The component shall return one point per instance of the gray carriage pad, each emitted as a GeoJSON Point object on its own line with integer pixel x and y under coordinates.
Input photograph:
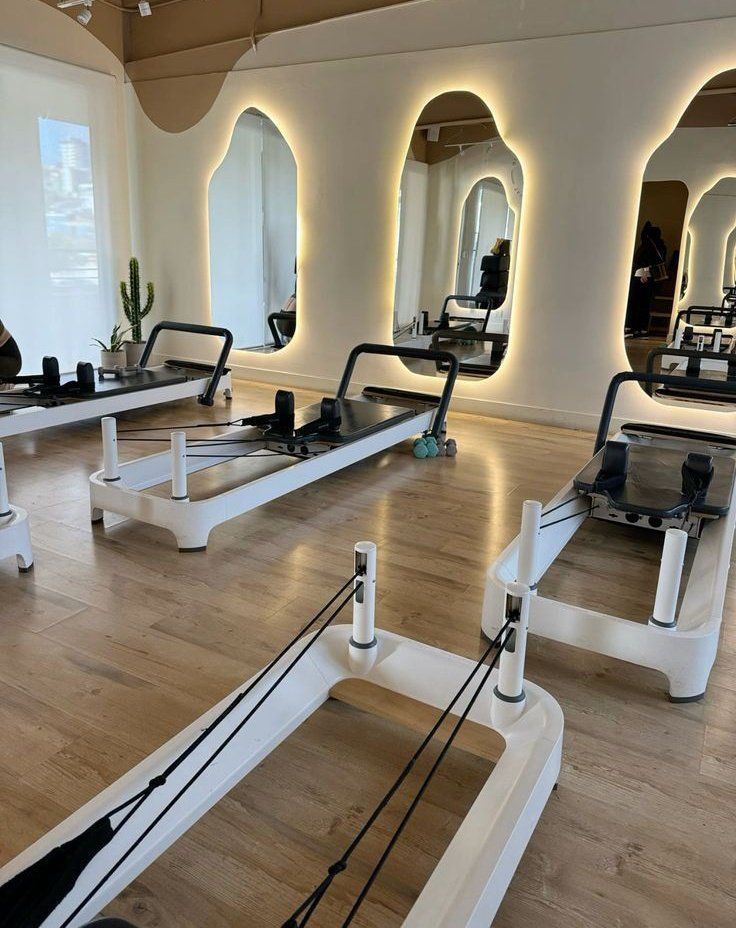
{"type": "Point", "coordinates": [653, 484]}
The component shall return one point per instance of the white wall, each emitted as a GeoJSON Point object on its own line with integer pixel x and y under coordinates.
{"type": "Point", "coordinates": [349, 123]}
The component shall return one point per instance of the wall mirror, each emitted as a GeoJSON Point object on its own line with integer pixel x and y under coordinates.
{"type": "Point", "coordinates": [681, 309]}
{"type": "Point", "coordinates": [252, 230]}
{"type": "Point", "coordinates": [457, 218]}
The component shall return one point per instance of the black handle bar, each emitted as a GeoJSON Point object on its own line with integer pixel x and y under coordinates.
{"type": "Point", "coordinates": [418, 354]}
{"type": "Point", "coordinates": [665, 380]}
{"type": "Point", "coordinates": [208, 397]}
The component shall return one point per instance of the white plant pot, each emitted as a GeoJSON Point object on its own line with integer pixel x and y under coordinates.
{"type": "Point", "coordinates": [109, 360]}
{"type": "Point", "coordinates": [134, 352]}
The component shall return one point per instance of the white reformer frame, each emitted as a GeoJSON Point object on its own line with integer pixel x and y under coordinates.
{"type": "Point", "coordinates": [682, 645]}
{"type": "Point", "coordinates": [15, 534]}
{"type": "Point", "coordinates": [471, 878]}
{"type": "Point", "coordinates": [120, 488]}
{"type": "Point", "coordinates": [28, 418]}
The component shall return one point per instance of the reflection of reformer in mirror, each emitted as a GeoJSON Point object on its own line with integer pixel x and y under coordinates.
{"type": "Point", "coordinates": [477, 335]}
{"type": "Point", "coordinates": [703, 346]}
{"type": "Point", "coordinates": [662, 479]}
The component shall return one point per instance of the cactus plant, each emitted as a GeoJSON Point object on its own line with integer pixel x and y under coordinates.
{"type": "Point", "coordinates": [134, 312]}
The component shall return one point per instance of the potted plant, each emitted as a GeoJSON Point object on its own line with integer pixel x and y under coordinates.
{"type": "Point", "coordinates": [113, 354]}
{"type": "Point", "coordinates": [134, 312]}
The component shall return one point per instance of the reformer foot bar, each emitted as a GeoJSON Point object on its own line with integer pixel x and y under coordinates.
{"type": "Point", "coordinates": [15, 535]}
{"type": "Point", "coordinates": [669, 480]}
{"type": "Point", "coordinates": [79, 867]}
{"type": "Point", "coordinates": [315, 441]}
{"type": "Point", "coordinates": [52, 398]}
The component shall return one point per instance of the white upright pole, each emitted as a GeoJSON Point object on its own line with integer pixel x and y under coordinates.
{"type": "Point", "coordinates": [111, 470]}
{"type": "Point", "coordinates": [717, 338]}
{"type": "Point", "coordinates": [5, 509]}
{"type": "Point", "coordinates": [508, 699]}
{"type": "Point", "coordinates": [179, 490]}
{"type": "Point", "coordinates": [670, 575]}
{"type": "Point", "coordinates": [363, 642]}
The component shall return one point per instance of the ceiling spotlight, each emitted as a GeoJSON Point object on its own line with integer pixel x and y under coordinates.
{"type": "Point", "coordinates": [84, 16]}
{"type": "Point", "coordinates": [144, 8]}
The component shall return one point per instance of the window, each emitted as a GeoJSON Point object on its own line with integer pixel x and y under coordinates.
{"type": "Point", "coordinates": [61, 187]}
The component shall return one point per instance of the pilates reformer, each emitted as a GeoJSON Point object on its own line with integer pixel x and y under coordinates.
{"type": "Point", "coordinates": [15, 535]}
{"type": "Point", "coordinates": [39, 401]}
{"type": "Point", "coordinates": [78, 868]}
{"type": "Point", "coordinates": [692, 364]}
{"type": "Point", "coordinates": [307, 443]}
{"type": "Point", "coordinates": [659, 478]}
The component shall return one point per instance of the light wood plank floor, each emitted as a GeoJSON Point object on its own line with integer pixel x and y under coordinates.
{"type": "Point", "coordinates": [116, 641]}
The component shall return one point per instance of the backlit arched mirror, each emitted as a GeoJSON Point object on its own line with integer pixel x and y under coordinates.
{"type": "Point", "coordinates": [252, 227]}
{"type": "Point", "coordinates": [459, 200]}
{"type": "Point", "coordinates": [678, 316]}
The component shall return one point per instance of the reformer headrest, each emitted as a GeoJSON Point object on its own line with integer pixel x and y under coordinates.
{"type": "Point", "coordinates": [614, 467]}
{"type": "Point", "coordinates": [697, 474]}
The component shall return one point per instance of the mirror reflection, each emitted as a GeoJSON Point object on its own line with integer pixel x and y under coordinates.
{"type": "Point", "coordinates": [681, 309]}
{"type": "Point", "coordinates": [252, 229]}
{"type": "Point", "coordinates": [459, 200]}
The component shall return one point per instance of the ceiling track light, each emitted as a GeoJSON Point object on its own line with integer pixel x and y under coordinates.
{"type": "Point", "coordinates": [84, 16]}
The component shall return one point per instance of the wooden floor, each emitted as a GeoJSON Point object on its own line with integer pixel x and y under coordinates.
{"type": "Point", "coordinates": [115, 642]}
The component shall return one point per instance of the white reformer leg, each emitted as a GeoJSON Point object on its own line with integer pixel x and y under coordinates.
{"type": "Point", "coordinates": [179, 491]}
{"type": "Point", "coordinates": [193, 540]}
{"type": "Point", "coordinates": [363, 646]}
{"type": "Point", "coordinates": [664, 614]}
{"type": "Point", "coordinates": [507, 704]}
{"type": "Point", "coordinates": [15, 535]}
{"type": "Point", "coordinates": [110, 462]}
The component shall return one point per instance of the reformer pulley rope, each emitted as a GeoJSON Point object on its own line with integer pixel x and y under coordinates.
{"type": "Point", "coordinates": [195, 425]}
{"type": "Point", "coordinates": [581, 512]}
{"type": "Point", "coordinates": [302, 915]}
{"type": "Point", "coordinates": [210, 760]}
{"type": "Point", "coordinates": [34, 894]}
